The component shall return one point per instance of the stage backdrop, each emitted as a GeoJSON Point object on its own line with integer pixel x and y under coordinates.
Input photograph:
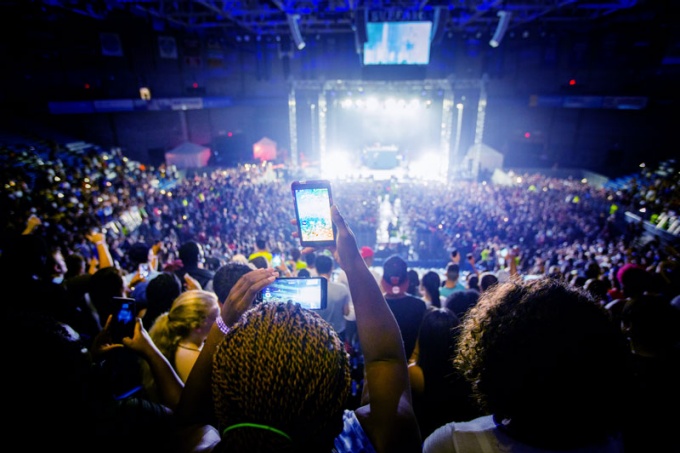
{"type": "Point", "coordinates": [265, 149]}
{"type": "Point", "coordinates": [188, 155]}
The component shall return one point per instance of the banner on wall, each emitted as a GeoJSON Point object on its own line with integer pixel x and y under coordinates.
{"type": "Point", "coordinates": [214, 54]}
{"type": "Point", "coordinates": [191, 51]}
{"type": "Point", "coordinates": [129, 105]}
{"type": "Point", "coordinates": [215, 59]}
{"type": "Point", "coordinates": [111, 45]}
{"type": "Point", "coordinates": [193, 62]}
{"type": "Point", "coordinates": [167, 47]}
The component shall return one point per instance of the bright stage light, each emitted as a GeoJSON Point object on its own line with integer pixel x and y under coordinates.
{"type": "Point", "coordinates": [372, 103]}
{"type": "Point", "coordinates": [346, 103]}
{"type": "Point", "coordinates": [426, 167]}
{"type": "Point", "coordinates": [337, 165]}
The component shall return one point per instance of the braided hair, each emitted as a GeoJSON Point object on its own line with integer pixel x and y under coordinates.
{"type": "Point", "coordinates": [285, 367]}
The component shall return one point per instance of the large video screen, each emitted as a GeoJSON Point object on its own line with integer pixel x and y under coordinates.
{"type": "Point", "coordinates": [397, 43]}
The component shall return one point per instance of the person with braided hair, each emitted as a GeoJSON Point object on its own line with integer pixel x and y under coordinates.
{"type": "Point", "coordinates": [276, 377]}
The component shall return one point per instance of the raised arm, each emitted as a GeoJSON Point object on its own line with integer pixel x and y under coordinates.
{"type": "Point", "coordinates": [32, 222]}
{"type": "Point", "coordinates": [195, 406]}
{"type": "Point", "coordinates": [168, 382]}
{"type": "Point", "coordinates": [388, 418]}
{"type": "Point", "coordinates": [99, 240]}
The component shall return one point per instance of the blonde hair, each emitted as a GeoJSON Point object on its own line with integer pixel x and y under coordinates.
{"type": "Point", "coordinates": [284, 367]}
{"type": "Point", "coordinates": [189, 311]}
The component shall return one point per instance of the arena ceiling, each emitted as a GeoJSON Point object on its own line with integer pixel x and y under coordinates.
{"type": "Point", "coordinates": [314, 17]}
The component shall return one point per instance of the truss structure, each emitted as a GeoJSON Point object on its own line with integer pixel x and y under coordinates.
{"type": "Point", "coordinates": [270, 17]}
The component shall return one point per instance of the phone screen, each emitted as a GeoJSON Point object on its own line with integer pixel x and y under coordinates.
{"type": "Point", "coordinates": [276, 260]}
{"type": "Point", "coordinates": [144, 270]}
{"type": "Point", "coordinates": [311, 293]}
{"type": "Point", "coordinates": [313, 202]}
{"type": "Point", "coordinates": [123, 322]}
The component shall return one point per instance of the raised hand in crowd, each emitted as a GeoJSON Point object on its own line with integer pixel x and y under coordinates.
{"type": "Point", "coordinates": [31, 224]}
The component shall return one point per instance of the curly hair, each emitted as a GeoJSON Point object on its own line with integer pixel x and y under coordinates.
{"type": "Point", "coordinates": [284, 367]}
{"type": "Point", "coordinates": [542, 357]}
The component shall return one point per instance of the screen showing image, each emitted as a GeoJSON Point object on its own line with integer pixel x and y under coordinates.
{"type": "Point", "coordinates": [397, 43]}
{"type": "Point", "coordinates": [308, 292]}
{"type": "Point", "coordinates": [313, 207]}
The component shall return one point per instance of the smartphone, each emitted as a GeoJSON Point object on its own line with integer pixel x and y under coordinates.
{"type": "Point", "coordinates": [144, 270]}
{"type": "Point", "coordinates": [310, 292]}
{"type": "Point", "coordinates": [313, 202]}
{"type": "Point", "coordinates": [123, 321]}
{"type": "Point", "coordinates": [276, 260]}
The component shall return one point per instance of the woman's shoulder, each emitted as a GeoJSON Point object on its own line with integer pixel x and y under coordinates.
{"type": "Point", "coordinates": [185, 359]}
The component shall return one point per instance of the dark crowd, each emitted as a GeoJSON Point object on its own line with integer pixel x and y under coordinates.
{"type": "Point", "coordinates": [527, 314]}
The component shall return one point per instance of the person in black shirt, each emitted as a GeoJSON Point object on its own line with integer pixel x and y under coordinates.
{"type": "Point", "coordinates": [192, 257]}
{"type": "Point", "coordinates": [408, 310]}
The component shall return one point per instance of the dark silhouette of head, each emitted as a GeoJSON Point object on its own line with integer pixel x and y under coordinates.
{"type": "Point", "coordinates": [395, 271]}
{"type": "Point", "coordinates": [543, 356]}
{"type": "Point", "coordinates": [473, 282]}
{"type": "Point", "coordinates": [459, 302]}
{"type": "Point", "coordinates": [431, 282]}
{"type": "Point", "coordinates": [452, 272]}
{"type": "Point", "coordinates": [226, 277]}
{"type": "Point", "coordinates": [105, 284]}
{"type": "Point", "coordinates": [303, 273]}
{"type": "Point", "coordinates": [295, 254]}
{"type": "Point", "coordinates": [310, 259]}
{"type": "Point", "coordinates": [487, 280]}
{"type": "Point", "coordinates": [161, 291]}
{"type": "Point", "coordinates": [324, 264]}
{"type": "Point", "coordinates": [413, 282]}
{"type": "Point", "coordinates": [138, 253]}
{"type": "Point", "coordinates": [259, 262]}
{"type": "Point", "coordinates": [634, 280]}
{"type": "Point", "coordinates": [437, 341]}
{"type": "Point", "coordinates": [191, 253]}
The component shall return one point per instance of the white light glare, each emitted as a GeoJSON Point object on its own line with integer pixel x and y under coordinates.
{"type": "Point", "coordinates": [372, 103]}
{"type": "Point", "coordinates": [337, 165]}
{"type": "Point", "coordinates": [426, 167]}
